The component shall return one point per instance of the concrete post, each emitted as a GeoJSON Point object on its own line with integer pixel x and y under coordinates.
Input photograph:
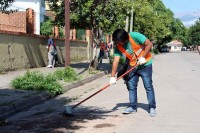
{"type": "Point", "coordinates": [30, 21]}
{"type": "Point", "coordinates": [56, 31]}
{"type": "Point", "coordinates": [74, 34]}
{"type": "Point", "coordinates": [89, 45]}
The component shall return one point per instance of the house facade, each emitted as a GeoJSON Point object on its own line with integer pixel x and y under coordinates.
{"type": "Point", "coordinates": [175, 46]}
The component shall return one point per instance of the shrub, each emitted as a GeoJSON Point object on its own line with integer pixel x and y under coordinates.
{"type": "Point", "coordinates": [68, 74]}
{"type": "Point", "coordinates": [37, 81]}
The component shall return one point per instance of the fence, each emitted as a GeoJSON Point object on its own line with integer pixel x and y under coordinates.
{"type": "Point", "coordinates": [21, 51]}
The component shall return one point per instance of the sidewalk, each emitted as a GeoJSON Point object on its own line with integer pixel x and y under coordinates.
{"type": "Point", "coordinates": [13, 101]}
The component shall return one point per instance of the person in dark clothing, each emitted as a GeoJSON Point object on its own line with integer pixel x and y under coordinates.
{"type": "Point", "coordinates": [101, 52]}
{"type": "Point", "coordinates": [52, 52]}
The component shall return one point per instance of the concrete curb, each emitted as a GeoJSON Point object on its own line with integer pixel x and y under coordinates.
{"type": "Point", "coordinates": [25, 103]}
{"type": "Point", "coordinates": [84, 81]}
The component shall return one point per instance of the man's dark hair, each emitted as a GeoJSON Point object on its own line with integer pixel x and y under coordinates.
{"type": "Point", "coordinates": [120, 35]}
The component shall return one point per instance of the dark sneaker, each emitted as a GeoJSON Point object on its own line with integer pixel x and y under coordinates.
{"type": "Point", "coordinates": [152, 112]}
{"type": "Point", "coordinates": [129, 110]}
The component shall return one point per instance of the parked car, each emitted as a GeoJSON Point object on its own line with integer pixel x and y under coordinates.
{"type": "Point", "coordinates": [188, 48]}
{"type": "Point", "coordinates": [183, 49]}
{"type": "Point", "coordinates": [164, 48]}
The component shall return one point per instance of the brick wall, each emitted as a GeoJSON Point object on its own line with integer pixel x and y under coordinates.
{"type": "Point", "coordinates": [13, 22]}
{"type": "Point", "coordinates": [20, 21]}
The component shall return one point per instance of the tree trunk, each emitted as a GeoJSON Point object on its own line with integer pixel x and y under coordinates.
{"type": "Point", "coordinates": [95, 52]}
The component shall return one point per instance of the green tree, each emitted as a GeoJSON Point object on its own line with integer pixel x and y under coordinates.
{"type": "Point", "coordinates": [100, 16]}
{"type": "Point", "coordinates": [153, 19]}
{"type": "Point", "coordinates": [194, 34]}
{"type": "Point", "coordinates": [96, 15]}
{"type": "Point", "coordinates": [150, 17]}
{"type": "Point", "coordinates": [46, 26]}
{"type": "Point", "coordinates": [179, 31]}
{"type": "Point", "coordinates": [167, 26]}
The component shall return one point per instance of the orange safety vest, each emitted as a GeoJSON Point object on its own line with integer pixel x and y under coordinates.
{"type": "Point", "coordinates": [138, 52]}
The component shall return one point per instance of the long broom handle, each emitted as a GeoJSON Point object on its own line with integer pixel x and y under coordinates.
{"type": "Point", "coordinates": [104, 87]}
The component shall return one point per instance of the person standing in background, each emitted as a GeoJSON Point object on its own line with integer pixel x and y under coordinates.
{"type": "Point", "coordinates": [101, 52]}
{"type": "Point", "coordinates": [107, 50]}
{"type": "Point", "coordinates": [51, 52]}
{"type": "Point", "coordinates": [198, 48]}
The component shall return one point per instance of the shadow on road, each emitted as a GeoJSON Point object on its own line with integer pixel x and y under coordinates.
{"type": "Point", "coordinates": [123, 105]}
{"type": "Point", "coordinates": [55, 123]}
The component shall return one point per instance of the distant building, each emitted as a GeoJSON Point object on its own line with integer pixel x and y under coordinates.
{"type": "Point", "coordinates": [175, 45]}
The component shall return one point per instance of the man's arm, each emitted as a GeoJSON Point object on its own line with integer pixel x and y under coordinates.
{"type": "Point", "coordinates": [148, 46]}
{"type": "Point", "coordinates": [113, 80]}
{"type": "Point", "coordinates": [115, 65]}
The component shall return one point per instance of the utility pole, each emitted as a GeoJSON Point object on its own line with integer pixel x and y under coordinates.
{"type": "Point", "coordinates": [127, 23]}
{"type": "Point", "coordinates": [131, 21]}
{"type": "Point", "coordinates": [67, 34]}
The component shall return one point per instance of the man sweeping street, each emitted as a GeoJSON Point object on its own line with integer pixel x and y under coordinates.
{"type": "Point", "coordinates": [136, 47]}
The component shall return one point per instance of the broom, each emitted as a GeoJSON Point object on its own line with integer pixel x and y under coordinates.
{"type": "Point", "coordinates": [68, 109]}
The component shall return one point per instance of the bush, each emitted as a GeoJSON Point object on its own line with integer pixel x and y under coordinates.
{"type": "Point", "coordinates": [68, 74]}
{"type": "Point", "coordinates": [37, 81]}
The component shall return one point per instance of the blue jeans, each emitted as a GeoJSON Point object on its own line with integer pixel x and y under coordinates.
{"type": "Point", "coordinates": [100, 57]}
{"type": "Point", "coordinates": [146, 74]}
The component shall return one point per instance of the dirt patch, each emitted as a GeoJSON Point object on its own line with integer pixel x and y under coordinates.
{"type": "Point", "coordinates": [103, 125]}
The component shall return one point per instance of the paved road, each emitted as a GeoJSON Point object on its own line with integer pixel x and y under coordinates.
{"type": "Point", "coordinates": [177, 89]}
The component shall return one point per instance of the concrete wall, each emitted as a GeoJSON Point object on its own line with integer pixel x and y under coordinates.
{"type": "Point", "coordinates": [19, 51]}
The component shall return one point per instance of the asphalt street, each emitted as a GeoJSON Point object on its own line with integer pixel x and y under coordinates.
{"type": "Point", "coordinates": [177, 89]}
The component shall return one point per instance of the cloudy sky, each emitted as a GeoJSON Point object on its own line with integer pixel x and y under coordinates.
{"type": "Point", "coordinates": [186, 10]}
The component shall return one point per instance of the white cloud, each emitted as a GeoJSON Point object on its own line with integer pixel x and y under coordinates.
{"type": "Point", "coordinates": [188, 18]}
{"type": "Point", "coordinates": [189, 23]}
